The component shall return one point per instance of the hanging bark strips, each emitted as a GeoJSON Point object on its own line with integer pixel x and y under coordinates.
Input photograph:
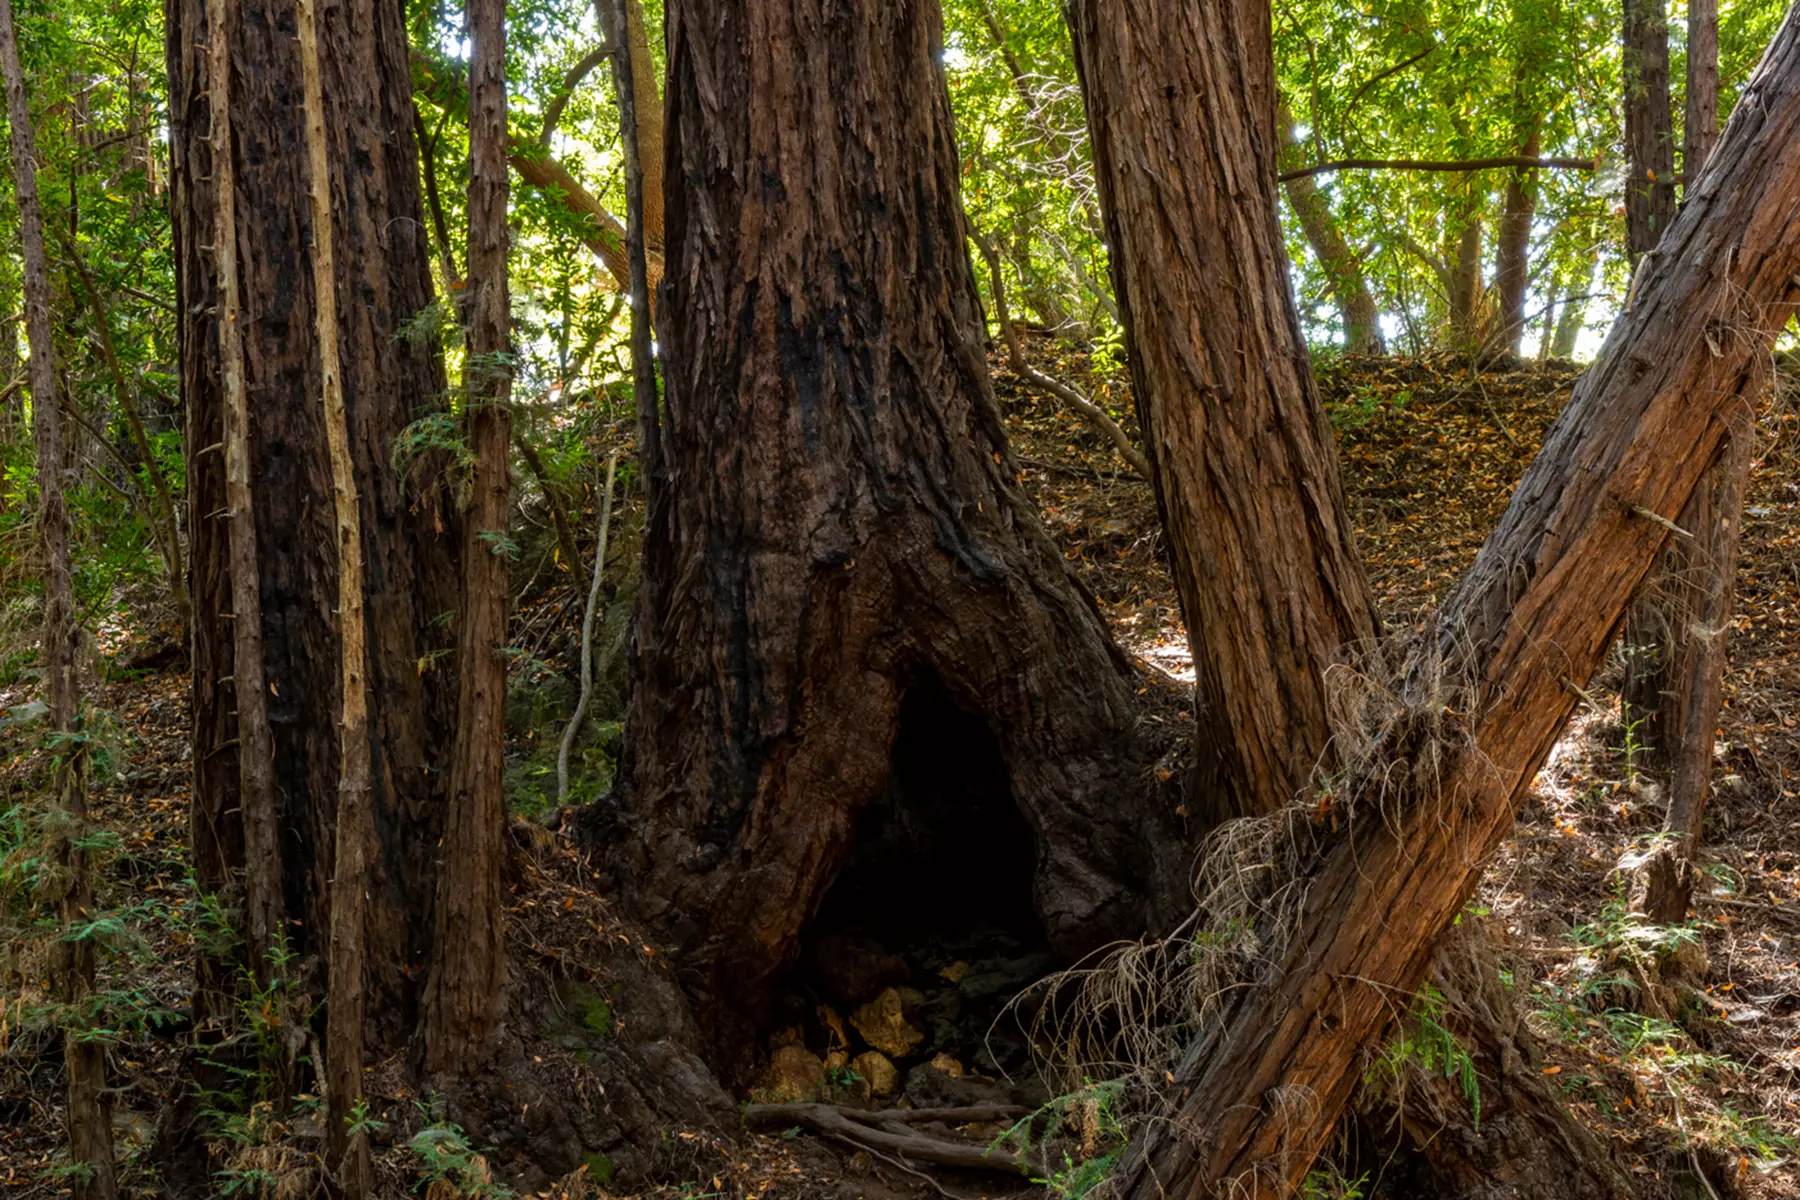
{"type": "Point", "coordinates": [1258, 1092]}
{"type": "Point", "coordinates": [88, 1112]}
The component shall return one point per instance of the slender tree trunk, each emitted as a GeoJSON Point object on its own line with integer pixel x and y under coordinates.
{"type": "Point", "coordinates": [169, 533]}
{"type": "Point", "coordinates": [1459, 723]}
{"type": "Point", "coordinates": [647, 119]}
{"type": "Point", "coordinates": [1356, 306]}
{"type": "Point", "coordinates": [409, 532]}
{"type": "Point", "coordinates": [1573, 318]}
{"type": "Point", "coordinates": [468, 964]}
{"type": "Point", "coordinates": [348, 1146]}
{"type": "Point", "coordinates": [835, 523]}
{"type": "Point", "coordinates": [1649, 126]}
{"type": "Point", "coordinates": [1700, 128]}
{"type": "Point", "coordinates": [89, 1115]}
{"type": "Point", "coordinates": [1512, 256]}
{"type": "Point", "coordinates": [559, 516]}
{"type": "Point", "coordinates": [1466, 291]}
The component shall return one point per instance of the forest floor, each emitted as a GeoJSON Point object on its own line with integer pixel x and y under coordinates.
{"type": "Point", "coordinates": [1430, 455]}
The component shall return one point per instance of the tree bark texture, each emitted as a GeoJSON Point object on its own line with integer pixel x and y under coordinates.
{"type": "Point", "coordinates": [1243, 460]}
{"type": "Point", "coordinates": [1512, 257]}
{"type": "Point", "coordinates": [1486, 689]}
{"type": "Point", "coordinates": [88, 1112]}
{"type": "Point", "coordinates": [836, 517]}
{"type": "Point", "coordinates": [1649, 126]}
{"type": "Point", "coordinates": [1350, 288]}
{"type": "Point", "coordinates": [409, 542]}
{"type": "Point", "coordinates": [1466, 289]}
{"type": "Point", "coordinates": [348, 1147]}
{"type": "Point", "coordinates": [1700, 128]}
{"type": "Point", "coordinates": [468, 964]}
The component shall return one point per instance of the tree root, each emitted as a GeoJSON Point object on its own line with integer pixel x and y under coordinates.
{"type": "Point", "coordinates": [887, 1132]}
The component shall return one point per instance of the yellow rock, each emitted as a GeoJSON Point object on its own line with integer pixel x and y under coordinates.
{"type": "Point", "coordinates": [948, 1065]}
{"type": "Point", "coordinates": [882, 1023]}
{"type": "Point", "coordinates": [795, 1076]}
{"type": "Point", "coordinates": [837, 1060]}
{"type": "Point", "coordinates": [955, 971]}
{"type": "Point", "coordinates": [878, 1070]}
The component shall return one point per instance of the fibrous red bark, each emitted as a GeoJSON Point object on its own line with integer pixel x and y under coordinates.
{"type": "Point", "coordinates": [836, 521]}
{"type": "Point", "coordinates": [1243, 460]}
{"type": "Point", "coordinates": [1456, 723]}
{"type": "Point", "coordinates": [1649, 126]}
{"type": "Point", "coordinates": [409, 539]}
{"type": "Point", "coordinates": [468, 961]}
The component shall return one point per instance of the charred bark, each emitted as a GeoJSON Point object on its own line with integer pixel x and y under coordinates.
{"type": "Point", "coordinates": [835, 519]}
{"type": "Point", "coordinates": [408, 542]}
{"type": "Point", "coordinates": [1472, 706]}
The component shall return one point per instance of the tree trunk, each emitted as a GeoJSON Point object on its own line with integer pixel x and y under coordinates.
{"type": "Point", "coordinates": [837, 542]}
{"type": "Point", "coordinates": [1512, 256]}
{"type": "Point", "coordinates": [1466, 298]}
{"type": "Point", "coordinates": [88, 1113]}
{"type": "Point", "coordinates": [1245, 468]}
{"type": "Point", "coordinates": [347, 1145]}
{"type": "Point", "coordinates": [1170, 267]}
{"type": "Point", "coordinates": [408, 533]}
{"type": "Point", "coordinates": [1700, 128]}
{"type": "Point", "coordinates": [1649, 126]}
{"type": "Point", "coordinates": [468, 962]}
{"type": "Point", "coordinates": [1356, 307]}
{"type": "Point", "coordinates": [1573, 318]}
{"type": "Point", "coordinates": [647, 119]}
{"type": "Point", "coordinates": [1457, 728]}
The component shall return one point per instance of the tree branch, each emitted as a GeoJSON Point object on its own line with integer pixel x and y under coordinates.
{"type": "Point", "coordinates": [1420, 164]}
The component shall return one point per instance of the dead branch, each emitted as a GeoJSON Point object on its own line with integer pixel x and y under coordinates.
{"type": "Point", "coordinates": [843, 1125]}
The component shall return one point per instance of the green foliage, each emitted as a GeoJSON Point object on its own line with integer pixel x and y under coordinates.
{"type": "Point", "coordinates": [452, 1166]}
{"type": "Point", "coordinates": [1083, 1130]}
{"type": "Point", "coordinates": [1426, 1042]}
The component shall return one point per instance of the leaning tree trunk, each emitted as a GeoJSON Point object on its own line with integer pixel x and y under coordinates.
{"type": "Point", "coordinates": [1459, 722]}
{"type": "Point", "coordinates": [836, 521]}
{"type": "Point", "coordinates": [86, 1107]}
{"type": "Point", "coordinates": [1649, 126]}
{"type": "Point", "coordinates": [1223, 432]}
{"type": "Point", "coordinates": [409, 542]}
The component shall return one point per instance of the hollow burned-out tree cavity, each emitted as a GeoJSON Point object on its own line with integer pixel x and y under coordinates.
{"type": "Point", "coordinates": [836, 516]}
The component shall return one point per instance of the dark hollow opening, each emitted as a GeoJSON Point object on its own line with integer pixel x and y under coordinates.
{"type": "Point", "coordinates": [935, 901]}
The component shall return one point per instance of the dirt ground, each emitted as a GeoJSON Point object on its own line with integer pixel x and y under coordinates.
{"type": "Point", "coordinates": [1430, 454]}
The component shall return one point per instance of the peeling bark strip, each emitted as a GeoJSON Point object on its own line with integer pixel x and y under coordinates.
{"type": "Point", "coordinates": [468, 961]}
{"type": "Point", "coordinates": [89, 1114]}
{"type": "Point", "coordinates": [349, 1151]}
{"type": "Point", "coordinates": [836, 516]}
{"type": "Point", "coordinates": [249, 689]}
{"type": "Point", "coordinates": [409, 545]}
{"type": "Point", "coordinates": [1260, 1090]}
{"type": "Point", "coordinates": [1244, 463]}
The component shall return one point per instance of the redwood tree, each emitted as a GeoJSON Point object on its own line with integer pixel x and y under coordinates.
{"type": "Point", "coordinates": [409, 545]}
{"type": "Point", "coordinates": [1456, 725]}
{"type": "Point", "coordinates": [836, 521]}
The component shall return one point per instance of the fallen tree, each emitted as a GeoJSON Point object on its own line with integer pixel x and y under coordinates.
{"type": "Point", "coordinates": [1436, 736]}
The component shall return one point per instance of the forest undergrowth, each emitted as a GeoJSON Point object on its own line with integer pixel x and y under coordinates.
{"type": "Point", "coordinates": [1695, 1090]}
